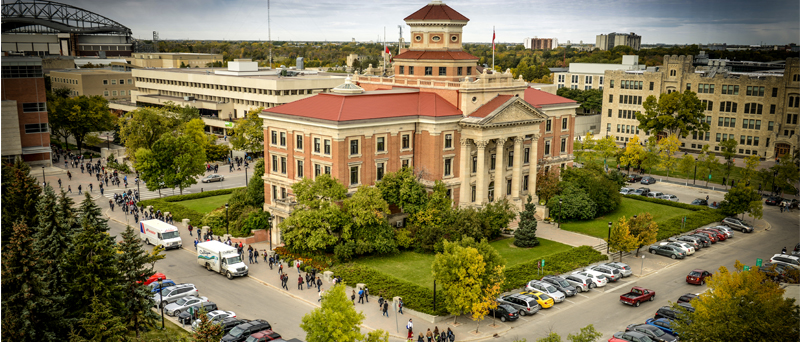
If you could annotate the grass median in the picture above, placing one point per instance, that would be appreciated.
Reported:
(598, 227)
(416, 267)
(207, 204)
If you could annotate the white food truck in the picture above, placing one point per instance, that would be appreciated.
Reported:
(156, 232)
(221, 258)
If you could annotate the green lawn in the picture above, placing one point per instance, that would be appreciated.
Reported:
(416, 267)
(207, 204)
(629, 207)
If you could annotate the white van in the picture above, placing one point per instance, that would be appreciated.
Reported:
(221, 258)
(157, 232)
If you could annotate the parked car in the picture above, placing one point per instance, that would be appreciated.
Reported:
(172, 294)
(667, 312)
(634, 178)
(242, 331)
(655, 333)
(662, 323)
(611, 273)
(229, 323)
(637, 295)
(580, 282)
(598, 280)
(642, 191)
(691, 240)
(655, 194)
(264, 336)
(542, 299)
(561, 284)
(785, 259)
(648, 180)
(717, 234)
(213, 178)
(698, 277)
(709, 235)
(684, 247)
(714, 205)
(666, 197)
(725, 229)
(780, 272)
(546, 288)
(670, 251)
(183, 304)
(154, 287)
(773, 200)
(623, 268)
(737, 224)
(523, 304)
(630, 336)
(687, 298)
(700, 201)
(626, 191)
(212, 312)
(154, 279)
(504, 312)
(796, 250)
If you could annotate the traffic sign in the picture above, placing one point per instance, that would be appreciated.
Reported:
(759, 262)
(746, 268)
(542, 262)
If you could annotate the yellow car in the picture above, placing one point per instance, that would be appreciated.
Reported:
(544, 300)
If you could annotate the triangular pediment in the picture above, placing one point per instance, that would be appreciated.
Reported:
(515, 111)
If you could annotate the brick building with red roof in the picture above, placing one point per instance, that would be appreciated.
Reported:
(484, 135)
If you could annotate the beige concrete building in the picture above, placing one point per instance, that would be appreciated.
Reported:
(609, 41)
(586, 76)
(757, 109)
(109, 84)
(173, 59)
(223, 95)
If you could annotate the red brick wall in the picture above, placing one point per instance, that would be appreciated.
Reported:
(28, 90)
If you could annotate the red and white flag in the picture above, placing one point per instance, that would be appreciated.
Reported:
(389, 53)
(493, 36)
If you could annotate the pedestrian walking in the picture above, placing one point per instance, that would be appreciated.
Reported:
(366, 293)
(400, 306)
(250, 255)
(320, 295)
(297, 264)
(264, 253)
(255, 255)
(309, 280)
(385, 309)
(380, 302)
(780, 206)
(450, 335)
(706, 198)
(190, 230)
(69, 188)
(429, 335)
(361, 296)
(421, 338)
(91, 187)
(59, 182)
(436, 333)
(101, 189)
(271, 261)
(280, 268)
(299, 282)
(319, 285)
(79, 190)
(783, 251)
(69, 175)
(353, 297)
(195, 243)
(410, 327)
(283, 281)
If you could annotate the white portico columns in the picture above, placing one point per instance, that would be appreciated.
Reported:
(499, 168)
(464, 172)
(516, 175)
(480, 182)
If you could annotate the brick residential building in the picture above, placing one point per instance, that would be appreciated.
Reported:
(25, 130)
(483, 135)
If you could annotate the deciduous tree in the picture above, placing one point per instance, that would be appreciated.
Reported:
(667, 147)
(175, 161)
(317, 221)
(739, 200)
(607, 148)
(488, 302)
(750, 166)
(686, 164)
(335, 320)
(547, 185)
(728, 153)
(644, 229)
(621, 239)
(586, 334)
(651, 157)
(572, 203)
(403, 189)
(740, 306)
(525, 235)
(633, 153)
(248, 132)
(255, 189)
(85, 115)
(368, 220)
(676, 113)
(142, 127)
(459, 270)
(708, 163)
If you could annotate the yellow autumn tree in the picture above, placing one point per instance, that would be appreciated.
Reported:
(460, 271)
(667, 147)
(621, 239)
(633, 153)
(644, 229)
(740, 306)
(489, 300)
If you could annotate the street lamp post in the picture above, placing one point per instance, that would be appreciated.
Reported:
(245, 175)
(774, 175)
(560, 211)
(694, 178)
(226, 219)
(161, 304)
(44, 181)
(608, 244)
(270, 231)
(642, 269)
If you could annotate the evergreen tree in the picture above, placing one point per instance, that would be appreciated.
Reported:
(20, 193)
(52, 243)
(25, 295)
(525, 235)
(93, 264)
(206, 330)
(100, 325)
(135, 266)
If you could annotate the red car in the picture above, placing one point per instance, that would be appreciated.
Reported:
(155, 277)
(711, 236)
(263, 336)
(721, 236)
(698, 277)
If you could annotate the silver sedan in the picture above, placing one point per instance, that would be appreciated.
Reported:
(182, 304)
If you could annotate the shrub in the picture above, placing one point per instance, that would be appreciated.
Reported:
(576, 204)
(665, 202)
(519, 274)
(694, 220)
(320, 262)
(414, 296)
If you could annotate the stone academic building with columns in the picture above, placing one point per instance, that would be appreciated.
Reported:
(485, 135)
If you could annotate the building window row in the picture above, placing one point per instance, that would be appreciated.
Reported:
(281, 92)
(751, 124)
(708, 105)
(632, 85)
(726, 122)
(628, 129)
(32, 107)
(794, 101)
(626, 114)
(728, 106)
(748, 140)
(701, 136)
(730, 89)
(22, 71)
(703, 88)
(36, 128)
(459, 71)
(724, 137)
(755, 91)
(630, 99)
(753, 108)
(791, 119)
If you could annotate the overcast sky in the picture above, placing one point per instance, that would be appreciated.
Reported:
(657, 21)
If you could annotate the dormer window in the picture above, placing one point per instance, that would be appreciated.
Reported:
(436, 38)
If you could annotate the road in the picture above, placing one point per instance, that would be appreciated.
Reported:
(600, 307)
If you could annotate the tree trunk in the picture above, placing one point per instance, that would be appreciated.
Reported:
(477, 326)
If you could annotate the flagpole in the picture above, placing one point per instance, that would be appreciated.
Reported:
(384, 50)
(492, 48)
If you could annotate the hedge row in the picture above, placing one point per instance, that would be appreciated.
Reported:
(519, 275)
(668, 203)
(178, 211)
(414, 296)
(694, 220)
